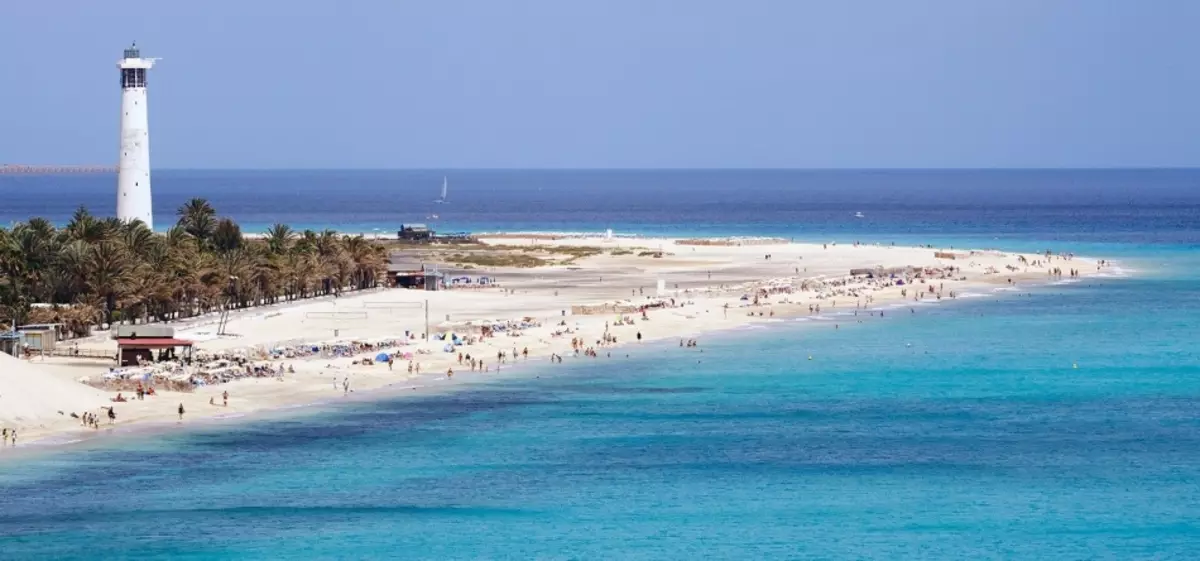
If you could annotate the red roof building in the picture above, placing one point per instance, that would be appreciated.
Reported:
(139, 350)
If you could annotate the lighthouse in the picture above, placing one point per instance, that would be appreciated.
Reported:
(133, 169)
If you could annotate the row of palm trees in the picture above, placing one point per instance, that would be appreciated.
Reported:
(102, 270)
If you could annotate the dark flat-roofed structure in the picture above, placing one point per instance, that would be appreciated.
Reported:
(414, 233)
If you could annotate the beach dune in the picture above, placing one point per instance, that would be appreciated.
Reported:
(31, 397)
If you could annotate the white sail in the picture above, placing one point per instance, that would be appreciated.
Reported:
(444, 187)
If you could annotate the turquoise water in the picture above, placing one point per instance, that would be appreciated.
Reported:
(958, 432)
(961, 431)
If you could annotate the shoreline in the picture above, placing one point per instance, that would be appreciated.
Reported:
(309, 393)
(63, 441)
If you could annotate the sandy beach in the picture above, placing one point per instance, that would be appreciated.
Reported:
(638, 290)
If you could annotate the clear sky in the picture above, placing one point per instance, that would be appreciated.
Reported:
(610, 83)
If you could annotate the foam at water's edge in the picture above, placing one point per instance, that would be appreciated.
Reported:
(403, 388)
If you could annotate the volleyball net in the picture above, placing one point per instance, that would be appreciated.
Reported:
(336, 316)
(393, 306)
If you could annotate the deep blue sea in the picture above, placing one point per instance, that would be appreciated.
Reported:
(1060, 423)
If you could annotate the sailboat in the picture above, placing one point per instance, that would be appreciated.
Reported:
(442, 199)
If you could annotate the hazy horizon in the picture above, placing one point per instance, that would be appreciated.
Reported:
(159, 169)
(725, 168)
(653, 84)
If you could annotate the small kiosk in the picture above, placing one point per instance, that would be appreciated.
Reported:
(140, 344)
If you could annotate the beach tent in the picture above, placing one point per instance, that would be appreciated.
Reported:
(382, 357)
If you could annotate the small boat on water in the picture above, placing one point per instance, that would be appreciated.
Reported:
(859, 215)
(445, 186)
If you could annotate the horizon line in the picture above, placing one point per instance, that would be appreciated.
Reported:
(722, 169)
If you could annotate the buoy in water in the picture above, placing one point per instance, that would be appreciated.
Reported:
(1074, 365)
(809, 357)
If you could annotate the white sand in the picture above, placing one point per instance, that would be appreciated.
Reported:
(31, 397)
(542, 293)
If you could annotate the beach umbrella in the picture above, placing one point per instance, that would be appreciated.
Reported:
(382, 357)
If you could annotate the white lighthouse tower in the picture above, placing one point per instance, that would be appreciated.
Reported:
(133, 171)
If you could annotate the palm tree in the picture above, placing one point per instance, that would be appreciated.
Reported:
(227, 236)
(14, 300)
(109, 275)
(198, 218)
(280, 238)
(368, 259)
(96, 270)
(84, 227)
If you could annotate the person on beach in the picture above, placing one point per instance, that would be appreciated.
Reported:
(225, 399)
(112, 415)
(181, 411)
(639, 336)
(450, 373)
(5, 432)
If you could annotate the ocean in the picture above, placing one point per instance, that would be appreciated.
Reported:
(1128, 206)
(1058, 422)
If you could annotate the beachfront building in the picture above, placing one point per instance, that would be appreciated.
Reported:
(407, 270)
(133, 351)
(415, 276)
(414, 233)
(11, 343)
(41, 337)
(133, 169)
(149, 343)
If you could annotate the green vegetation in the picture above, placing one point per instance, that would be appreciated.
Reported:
(497, 259)
(516, 255)
(576, 252)
(104, 270)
